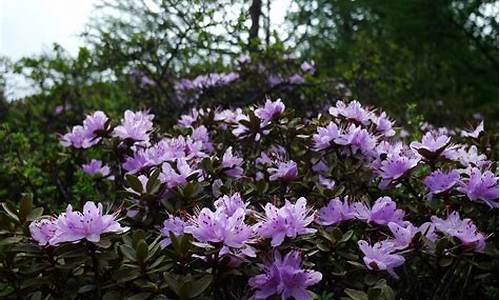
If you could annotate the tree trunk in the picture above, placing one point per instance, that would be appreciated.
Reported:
(255, 12)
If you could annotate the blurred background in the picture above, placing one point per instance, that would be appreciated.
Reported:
(60, 59)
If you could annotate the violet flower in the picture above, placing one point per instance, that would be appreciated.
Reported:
(135, 126)
(432, 146)
(481, 187)
(394, 168)
(286, 171)
(307, 67)
(465, 230)
(284, 277)
(90, 224)
(335, 212)
(232, 164)
(352, 111)
(96, 167)
(381, 256)
(290, 220)
(43, 230)
(269, 111)
(326, 136)
(296, 79)
(475, 133)
(359, 139)
(327, 183)
(404, 233)
(217, 227)
(230, 204)
(381, 213)
(173, 225)
(440, 181)
(174, 178)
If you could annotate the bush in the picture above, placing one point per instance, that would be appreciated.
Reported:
(256, 202)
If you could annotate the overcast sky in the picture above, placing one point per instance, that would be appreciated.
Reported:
(30, 26)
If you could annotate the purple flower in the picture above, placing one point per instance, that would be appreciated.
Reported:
(187, 120)
(173, 225)
(335, 212)
(290, 220)
(135, 126)
(95, 122)
(381, 256)
(73, 225)
(481, 187)
(432, 146)
(285, 277)
(286, 171)
(244, 58)
(352, 111)
(394, 168)
(269, 111)
(468, 157)
(465, 230)
(384, 125)
(382, 212)
(174, 178)
(200, 134)
(326, 183)
(43, 230)
(78, 138)
(307, 67)
(232, 164)
(296, 79)
(96, 167)
(359, 139)
(440, 181)
(137, 162)
(274, 80)
(217, 227)
(230, 204)
(326, 135)
(403, 234)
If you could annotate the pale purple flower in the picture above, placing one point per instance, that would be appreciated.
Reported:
(135, 163)
(95, 122)
(173, 225)
(335, 212)
(284, 277)
(326, 136)
(230, 204)
(441, 181)
(200, 134)
(96, 167)
(384, 125)
(270, 110)
(394, 168)
(232, 164)
(359, 139)
(352, 111)
(320, 167)
(218, 227)
(187, 120)
(432, 146)
(286, 171)
(327, 183)
(296, 79)
(274, 80)
(307, 67)
(474, 133)
(465, 230)
(382, 212)
(404, 233)
(59, 110)
(469, 156)
(78, 138)
(381, 256)
(481, 187)
(90, 224)
(43, 230)
(176, 177)
(135, 126)
(244, 58)
(290, 220)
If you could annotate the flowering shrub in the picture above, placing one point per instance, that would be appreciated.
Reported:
(256, 203)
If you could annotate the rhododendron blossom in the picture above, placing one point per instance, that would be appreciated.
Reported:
(382, 212)
(381, 256)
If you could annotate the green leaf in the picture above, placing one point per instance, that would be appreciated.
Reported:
(134, 183)
(141, 251)
(199, 286)
(128, 252)
(356, 295)
(11, 211)
(140, 296)
(25, 207)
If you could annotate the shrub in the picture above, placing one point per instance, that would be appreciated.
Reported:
(257, 202)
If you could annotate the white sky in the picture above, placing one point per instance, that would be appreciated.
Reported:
(31, 26)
